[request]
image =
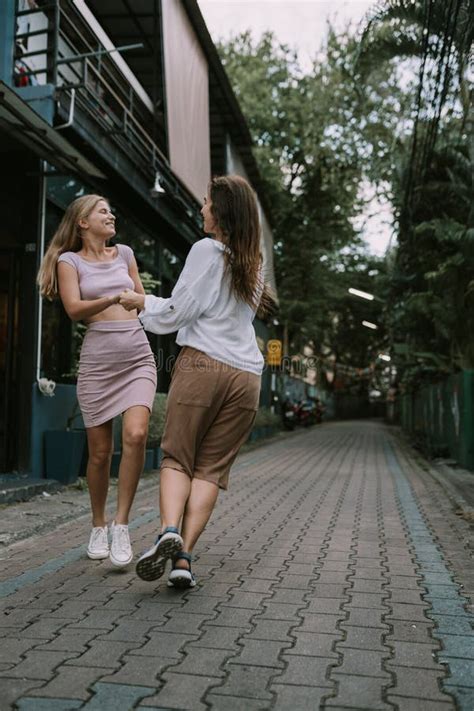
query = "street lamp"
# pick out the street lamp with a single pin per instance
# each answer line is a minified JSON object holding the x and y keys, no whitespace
{"x":362,"y":294}
{"x":369,"y":324}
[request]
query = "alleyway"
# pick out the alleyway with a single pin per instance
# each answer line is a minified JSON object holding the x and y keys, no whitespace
{"x":334,"y":575}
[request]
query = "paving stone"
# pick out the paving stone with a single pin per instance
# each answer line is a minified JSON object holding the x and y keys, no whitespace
{"x":362,"y":638}
{"x":404,"y":631}
{"x":220,"y":637}
{"x":464,"y":695}
{"x":451,"y":625}
{"x":367,"y":664}
{"x":20,"y":617}
{"x":375,"y":601}
{"x":278,"y":630}
{"x":140,"y":670}
{"x":356,"y":692}
{"x":183,"y":623}
{"x":72,"y":609}
{"x":461,"y":672}
{"x":97,"y":620}
{"x":312,"y":645}
{"x":38,"y":665}
{"x":329,"y":606}
{"x":246,"y":682}
{"x":202,"y":662}
{"x":299,"y":698}
{"x":458,"y":646}
{"x":13,"y":689}
{"x":407,"y":704}
{"x":70,"y":682}
{"x":307,"y":671}
{"x":280,"y":611}
{"x":412,"y":597}
{"x":421,"y":683}
{"x":106,"y":654}
{"x":254,"y":586}
{"x":363,"y":585}
{"x":326,"y":624}
{"x":413,"y":654}
{"x":235,"y":703}
{"x":35,"y":704}
{"x":68,"y":640}
{"x":233,"y":617}
{"x":365,"y":617}
{"x":169,"y":644}
{"x":252,"y":601}
{"x":402,"y":611}
{"x":13,"y":649}
{"x":180,"y":691}
{"x":213,"y":589}
{"x":110,"y":697}
{"x":290,"y":596}
{"x":260,"y":572}
{"x":263,"y":653}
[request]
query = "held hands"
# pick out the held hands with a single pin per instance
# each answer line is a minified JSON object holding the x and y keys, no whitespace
{"x":130,"y":300}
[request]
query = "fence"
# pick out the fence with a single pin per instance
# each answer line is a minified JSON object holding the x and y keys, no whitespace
{"x":441,"y":417}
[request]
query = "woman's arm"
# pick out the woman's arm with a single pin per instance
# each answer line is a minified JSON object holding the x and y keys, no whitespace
{"x":135,"y":276}
{"x":75,"y":307}
{"x":195,"y":291}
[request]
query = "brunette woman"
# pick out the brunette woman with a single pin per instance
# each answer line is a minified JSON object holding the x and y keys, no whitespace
{"x":117,"y":372}
{"x":215,"y":386}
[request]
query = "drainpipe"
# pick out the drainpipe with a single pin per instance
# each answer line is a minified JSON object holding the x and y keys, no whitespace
{"x":45,"y":386}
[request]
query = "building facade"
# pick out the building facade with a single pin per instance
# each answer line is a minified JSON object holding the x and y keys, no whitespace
{"x":127,"y":100}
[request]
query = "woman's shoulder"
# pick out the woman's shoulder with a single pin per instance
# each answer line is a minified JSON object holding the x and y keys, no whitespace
{"x":207,"y":247}
{"x":125,"y":251}
{"x":70,"y":258}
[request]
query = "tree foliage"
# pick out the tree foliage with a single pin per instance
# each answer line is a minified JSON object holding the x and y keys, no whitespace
{"x":310,"y":133}
{"x":432,"y":279}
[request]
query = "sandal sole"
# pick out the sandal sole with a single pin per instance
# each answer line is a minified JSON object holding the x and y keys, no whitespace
{"x":153,"y":566}
{"x":181,"y":583}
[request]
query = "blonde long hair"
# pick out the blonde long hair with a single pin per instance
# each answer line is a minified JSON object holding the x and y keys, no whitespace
{"x":67,"y":238}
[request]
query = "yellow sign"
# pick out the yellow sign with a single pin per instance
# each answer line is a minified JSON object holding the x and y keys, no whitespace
{"x":274,"y":349}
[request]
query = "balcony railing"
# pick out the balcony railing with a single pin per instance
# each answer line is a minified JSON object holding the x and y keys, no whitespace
{"x":56,"y":46}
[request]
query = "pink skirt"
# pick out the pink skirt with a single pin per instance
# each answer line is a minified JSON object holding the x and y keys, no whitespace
{"x":116,"y":370}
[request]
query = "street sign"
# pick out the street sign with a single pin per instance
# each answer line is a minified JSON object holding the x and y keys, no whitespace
{"x":274,"y":352}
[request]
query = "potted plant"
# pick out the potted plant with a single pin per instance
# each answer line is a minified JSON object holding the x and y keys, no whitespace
{"x":65,"y":451}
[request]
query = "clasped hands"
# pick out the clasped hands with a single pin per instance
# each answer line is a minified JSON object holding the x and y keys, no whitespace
{"x":130,"y":300}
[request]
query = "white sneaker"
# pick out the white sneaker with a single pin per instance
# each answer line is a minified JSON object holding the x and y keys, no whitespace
{"x":98,"y":547}
{"x":120,"y":549}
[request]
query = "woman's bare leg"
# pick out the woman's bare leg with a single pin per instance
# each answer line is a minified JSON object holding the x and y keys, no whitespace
{"x":100,"y":445}
{"x":134,"y":435}
{"x":175,"y":488}
{"x":197,"y":513}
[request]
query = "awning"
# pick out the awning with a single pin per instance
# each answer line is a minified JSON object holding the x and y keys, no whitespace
{"x":28,"y":127}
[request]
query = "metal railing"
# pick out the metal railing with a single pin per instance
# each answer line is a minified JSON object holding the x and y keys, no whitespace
{"x":66,"y":53}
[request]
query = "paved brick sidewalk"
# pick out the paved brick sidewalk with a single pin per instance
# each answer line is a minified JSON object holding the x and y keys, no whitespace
{"x":334,"y":575}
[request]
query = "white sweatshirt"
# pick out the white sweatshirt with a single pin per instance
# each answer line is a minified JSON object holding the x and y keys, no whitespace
{"x":205,"y":313}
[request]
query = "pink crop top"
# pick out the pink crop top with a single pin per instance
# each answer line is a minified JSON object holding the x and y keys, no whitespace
{"x":97,"y":279}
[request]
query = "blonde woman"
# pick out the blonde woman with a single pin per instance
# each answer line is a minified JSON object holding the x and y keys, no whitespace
{"x":215,"y":387}
{"x":117,"y":372}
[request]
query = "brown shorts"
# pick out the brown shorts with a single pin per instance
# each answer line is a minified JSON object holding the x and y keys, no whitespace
{"x":210,"y":411}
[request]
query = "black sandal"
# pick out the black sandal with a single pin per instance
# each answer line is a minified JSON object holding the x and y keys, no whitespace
{"x":181,"y":577}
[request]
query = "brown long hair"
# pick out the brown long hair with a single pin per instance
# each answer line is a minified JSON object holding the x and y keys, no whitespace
{"x":67,"y":238}
{"x":235,"y":210}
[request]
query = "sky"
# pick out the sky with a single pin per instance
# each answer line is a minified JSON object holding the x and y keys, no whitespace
{"x":302,"y":24}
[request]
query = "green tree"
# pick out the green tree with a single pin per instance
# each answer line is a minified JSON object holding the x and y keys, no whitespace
{"x":432,"y":278}
{"x":313,"y":144}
